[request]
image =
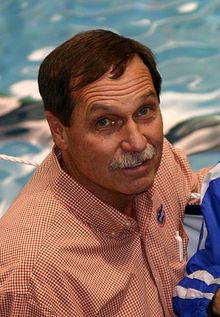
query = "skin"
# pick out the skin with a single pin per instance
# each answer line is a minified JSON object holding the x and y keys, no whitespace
{"x":113,"y":117}
{"x":216,"y":303}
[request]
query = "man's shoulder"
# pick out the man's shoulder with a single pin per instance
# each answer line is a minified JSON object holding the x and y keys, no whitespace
{"x":24,"y":226}
{"x":33,"y":197}
{"x":173,"y":158}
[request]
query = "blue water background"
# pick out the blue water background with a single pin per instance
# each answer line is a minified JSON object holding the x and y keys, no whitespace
{"x":183,"y":34}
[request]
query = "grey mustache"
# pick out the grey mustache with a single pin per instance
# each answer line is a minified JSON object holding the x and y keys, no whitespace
{"x":133,"y":159}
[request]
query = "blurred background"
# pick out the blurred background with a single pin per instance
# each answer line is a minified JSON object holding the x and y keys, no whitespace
{"x":184,"y":35}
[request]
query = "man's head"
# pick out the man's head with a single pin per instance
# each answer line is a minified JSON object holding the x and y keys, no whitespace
{"x":82,"y":60}
{"x":101,"y":95}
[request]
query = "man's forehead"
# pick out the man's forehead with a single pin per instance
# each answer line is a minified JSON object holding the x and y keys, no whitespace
{"x":136,"y":79}
{"x":108,"y":107}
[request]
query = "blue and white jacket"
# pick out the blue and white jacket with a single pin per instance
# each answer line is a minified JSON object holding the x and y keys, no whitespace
{"x":195,"y":291}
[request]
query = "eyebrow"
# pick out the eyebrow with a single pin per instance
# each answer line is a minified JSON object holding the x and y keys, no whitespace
{"x":148,"y":95}
{"x":102,"y":107}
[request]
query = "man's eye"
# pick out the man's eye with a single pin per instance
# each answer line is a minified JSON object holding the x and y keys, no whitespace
{"x":144,"y":111}
{"x":104,"y":122}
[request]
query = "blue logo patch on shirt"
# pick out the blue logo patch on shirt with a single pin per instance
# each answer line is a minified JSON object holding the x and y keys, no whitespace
{"x":161,"y":216}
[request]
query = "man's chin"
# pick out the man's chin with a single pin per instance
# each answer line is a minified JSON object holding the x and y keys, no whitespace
{"x":137,"y":190}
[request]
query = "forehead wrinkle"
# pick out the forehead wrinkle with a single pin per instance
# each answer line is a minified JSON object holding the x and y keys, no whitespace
{"x":114,"y":84}
{"x":111,"y":107}
{"x":103,"y":92}
{"x":101,"y":105}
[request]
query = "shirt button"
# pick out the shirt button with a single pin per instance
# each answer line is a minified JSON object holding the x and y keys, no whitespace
{"x":113,"y":234}
{"x":127,"y":224}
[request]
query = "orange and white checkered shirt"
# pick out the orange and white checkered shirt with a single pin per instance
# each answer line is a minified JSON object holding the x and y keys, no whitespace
{"x":65,"y":253}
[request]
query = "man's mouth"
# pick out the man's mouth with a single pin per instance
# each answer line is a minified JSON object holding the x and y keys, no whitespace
{"x":135,"y":165}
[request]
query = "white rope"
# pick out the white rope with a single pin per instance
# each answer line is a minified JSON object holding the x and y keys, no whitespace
{"x":195,"y":195}
{"x":16,"y":159}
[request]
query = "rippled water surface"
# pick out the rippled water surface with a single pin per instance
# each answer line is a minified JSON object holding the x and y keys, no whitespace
{"x":184,"y":36}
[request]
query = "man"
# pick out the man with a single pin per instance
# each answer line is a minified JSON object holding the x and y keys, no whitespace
{"x":94,"y":231}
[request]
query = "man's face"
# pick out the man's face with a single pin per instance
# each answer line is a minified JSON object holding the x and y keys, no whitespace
{"x":115,"y":121}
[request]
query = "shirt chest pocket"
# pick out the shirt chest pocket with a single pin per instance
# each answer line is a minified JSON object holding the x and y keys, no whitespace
{"x":176,"y":251}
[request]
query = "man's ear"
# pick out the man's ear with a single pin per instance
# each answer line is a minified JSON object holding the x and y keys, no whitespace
{"x":57,"y":130}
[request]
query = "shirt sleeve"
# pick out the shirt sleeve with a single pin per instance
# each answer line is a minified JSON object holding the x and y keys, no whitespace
{"x":193,"y":294}
{"x":195,"y":291}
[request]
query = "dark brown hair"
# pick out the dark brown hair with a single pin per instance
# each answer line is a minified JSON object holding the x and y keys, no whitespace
{"x":83,"y":59}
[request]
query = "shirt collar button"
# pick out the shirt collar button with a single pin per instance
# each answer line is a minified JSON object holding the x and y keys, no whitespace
{"x":127,"y":224}
{"x":113,"y":234}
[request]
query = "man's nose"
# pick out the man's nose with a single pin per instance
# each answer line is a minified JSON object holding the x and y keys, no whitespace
{"x":133,"y":139}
